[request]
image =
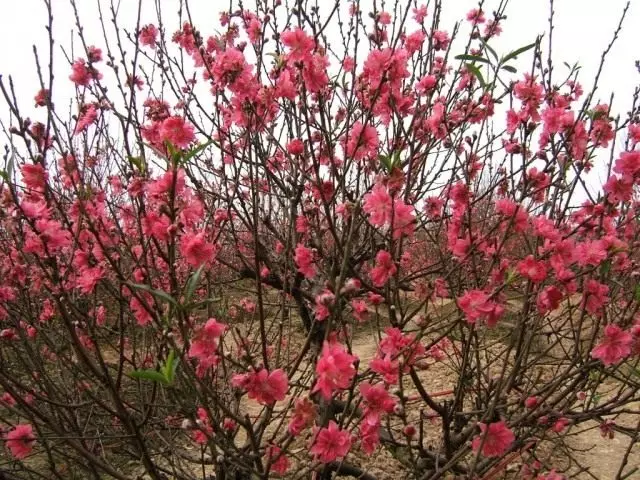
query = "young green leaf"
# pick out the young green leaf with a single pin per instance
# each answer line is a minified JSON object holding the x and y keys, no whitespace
{"x":385,"y":160}
{"x":509,"y":68}
{"x":192,"y":283}
{"x":477,"y":73}
{"x":517,"y":52}
{"x":156,"y":293}
{"x":472,"y":58}
{"x":139,"y":163}
{"x":194,"y":151}
{"x":489,"y":49}
{"x":170,"y":367}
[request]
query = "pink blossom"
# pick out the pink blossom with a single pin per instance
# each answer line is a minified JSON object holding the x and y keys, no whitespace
{"x":362,"y":141}
{"x":279,"y":462}
{"x":614,"y":347}
{"x":148,"y":36}
{"x":20,"y":440}
{"x":196,"y":250}
{"x":419,"y":13}
{"x":499,"y":439}
{"x":82,"y":74}
{"x":304,"y":414}
{"x":34,"y":176}
{"x":595,"y":295}
{"x":89,"y":116}
{"x":263,"y":386}
{"x":330,"y":443}
{"x":385,"y":268}
{"x":177,"y":132}
{"x":305,"y":261}
{"x":476,"y":16}
{"x":295,"y":147}
{"x":300,"y":44}
{"x":534,"y":270}
{"x":204,"y":346}
{"x":476,"y":305}
{"x":378,"y":204}
{"x":376,"y":398}
{"x":334,"y":369}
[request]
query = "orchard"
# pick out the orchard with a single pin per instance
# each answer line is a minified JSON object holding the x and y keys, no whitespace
{"x":316,"y":241}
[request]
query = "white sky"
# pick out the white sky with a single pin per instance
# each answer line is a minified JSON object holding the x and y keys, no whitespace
{"x":583,"y":28}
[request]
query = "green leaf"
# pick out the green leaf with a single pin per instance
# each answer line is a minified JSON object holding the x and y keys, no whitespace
{"x":509,"y":68}
{"x":194,"y":151}
{"x":156,"y":293}
{"x":151,"y":375}
{"x":139,"y":163}
{"x":174,"y":153}
{"x":472,"y":58}
{"x":477,"y":73}
{"x":636,"y":293}
{"x":606,"y":267}
{"x":192,"y":283}
{"x":169,"y":368}
{"x":489,"y":49}
{"x":517,"y":52}
{"x":386,"y":162}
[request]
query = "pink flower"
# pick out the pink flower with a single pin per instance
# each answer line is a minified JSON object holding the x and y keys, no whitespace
{"x":295,"y":147}
{"x":534,"y":270}
{"x":141,"y":314}
{"x":279,"y":461}
{"x":196,"y":250}
{"x":20,"y":440}
{"x":414,"y":41}
{"x":204,"y":347}
{"x":304,"y":261}
{"x":594,"y":297}
{"x":362,"y":141}
{"x":476,"y":16}
{"x":304,"y":414}
{"x":148,"y":36}
{"x":498,"y":439}
{"x":614,"y":347}
{"x":42,"y":98}
{"x":263,"y":386}
{"x":590,"y":253}
{"x":628,"y":165}
{"x":376,"y":398}
{"x":385,"y":268}
{"x":89,"y":116}
{"x":476,"y":306}
{"x":88,"y":279}
{"x":549,"y":299}
{"x":300,"y":44}
{"x":419,"y":13}
{"x":176,"y":131}
{"x":440,"y":40}
{"x":330,"y":443}
{"x":34,"y":176}
{"x":387,"y":367}
{"x":378,"y":204}
{"x":82,"y":75}
{"x":370,"y":433}
{"x":334,"y":369}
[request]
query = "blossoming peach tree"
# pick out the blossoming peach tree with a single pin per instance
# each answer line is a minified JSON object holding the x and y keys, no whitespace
{"x":310,"y":237}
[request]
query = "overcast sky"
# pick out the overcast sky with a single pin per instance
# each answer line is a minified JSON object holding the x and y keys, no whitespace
{"x":583,"y":28}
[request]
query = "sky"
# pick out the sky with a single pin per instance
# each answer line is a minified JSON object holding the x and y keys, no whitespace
{"x":583,"y":29}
